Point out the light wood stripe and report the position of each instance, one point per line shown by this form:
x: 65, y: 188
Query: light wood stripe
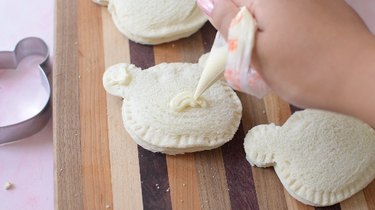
x: 213, y: 187
x: 253, y: 113
x: 294, y: 204
x: 369, y: 192
x: 93, y: 109
x: 278, y: 111
x: 357, y: 202
x: 126, y: 181
x: 270, y: 192
x: 66, y: 126
x: 183, y: 183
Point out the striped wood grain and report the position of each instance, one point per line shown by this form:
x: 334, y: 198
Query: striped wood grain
x: 153, y: 166
x: 210, y: 164
x: 126, y: 181
x: 369, y: 192
x: 183, y: 181
x: 66, y: 123
x: 213, y: 188
x: 358, y: 202
x: 239, y: 174
x: 98, y: 166
x: 269, y: 190
x: 97, y: 188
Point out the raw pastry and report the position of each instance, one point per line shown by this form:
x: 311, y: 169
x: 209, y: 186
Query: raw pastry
x: 320, y: 157
x: 159, y: 111
x: 155, y: 21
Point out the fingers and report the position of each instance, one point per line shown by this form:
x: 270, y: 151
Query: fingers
x: 220, y: 13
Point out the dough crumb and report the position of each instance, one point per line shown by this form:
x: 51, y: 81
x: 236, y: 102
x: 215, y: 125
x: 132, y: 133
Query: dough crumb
x: 184, y: 185
x: 8, y: 186
x: 107, y: 206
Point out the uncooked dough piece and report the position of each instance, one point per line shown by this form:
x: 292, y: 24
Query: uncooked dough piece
x: 157, y: 127
x: 320, y: 157
x: 155, y: 21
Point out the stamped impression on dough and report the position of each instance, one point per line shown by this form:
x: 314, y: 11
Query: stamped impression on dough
x: 160, y: 113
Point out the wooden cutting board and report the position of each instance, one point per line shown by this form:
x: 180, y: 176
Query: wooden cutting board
x: 98, y: 166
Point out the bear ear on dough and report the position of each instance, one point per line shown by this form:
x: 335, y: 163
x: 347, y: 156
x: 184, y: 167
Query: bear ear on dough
x: 152, y: 121
x: 155, y: 22
x: 259, y: 145
x: 320, y: 157
x: 117, y: 78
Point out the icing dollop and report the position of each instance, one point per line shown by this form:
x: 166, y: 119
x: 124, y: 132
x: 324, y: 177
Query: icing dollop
x: 185, y: 100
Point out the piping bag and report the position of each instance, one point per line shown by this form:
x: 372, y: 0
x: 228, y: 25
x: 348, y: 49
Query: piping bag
x: 231, y: 59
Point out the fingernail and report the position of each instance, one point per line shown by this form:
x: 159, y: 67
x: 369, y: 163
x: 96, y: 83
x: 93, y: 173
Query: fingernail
x: 206, y: 6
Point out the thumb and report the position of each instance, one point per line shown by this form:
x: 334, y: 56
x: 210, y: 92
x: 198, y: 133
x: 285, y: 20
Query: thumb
x: 220, y: 13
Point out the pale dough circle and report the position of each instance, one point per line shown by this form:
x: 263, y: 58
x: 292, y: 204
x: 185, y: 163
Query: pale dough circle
x: 320, y: 157
x: 155, y: 126
x: 155, y: 21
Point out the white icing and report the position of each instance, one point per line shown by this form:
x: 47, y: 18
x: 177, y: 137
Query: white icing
x: 184, y: 100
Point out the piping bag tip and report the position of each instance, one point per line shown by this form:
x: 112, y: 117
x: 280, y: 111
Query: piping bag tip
x: 235, y: 58
x: 214, y: 66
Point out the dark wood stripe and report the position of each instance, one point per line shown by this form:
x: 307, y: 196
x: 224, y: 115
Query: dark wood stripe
x: 154, y: 180
x: 66, y: 123
x: 333, y: 207
x: 152, y: 166
x: 239, y: 174
x: 141, y: 55
x: 208, y: 35
x: 294, y: 108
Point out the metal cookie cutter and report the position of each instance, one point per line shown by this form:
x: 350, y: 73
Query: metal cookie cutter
x: 9, y: 61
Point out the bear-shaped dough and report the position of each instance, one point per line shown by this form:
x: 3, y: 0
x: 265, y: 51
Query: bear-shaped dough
x: 320, y: 157
x: 152, y: 121
x: 154, y: 21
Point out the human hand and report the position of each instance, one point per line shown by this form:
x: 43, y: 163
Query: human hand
x: 306, y: 50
